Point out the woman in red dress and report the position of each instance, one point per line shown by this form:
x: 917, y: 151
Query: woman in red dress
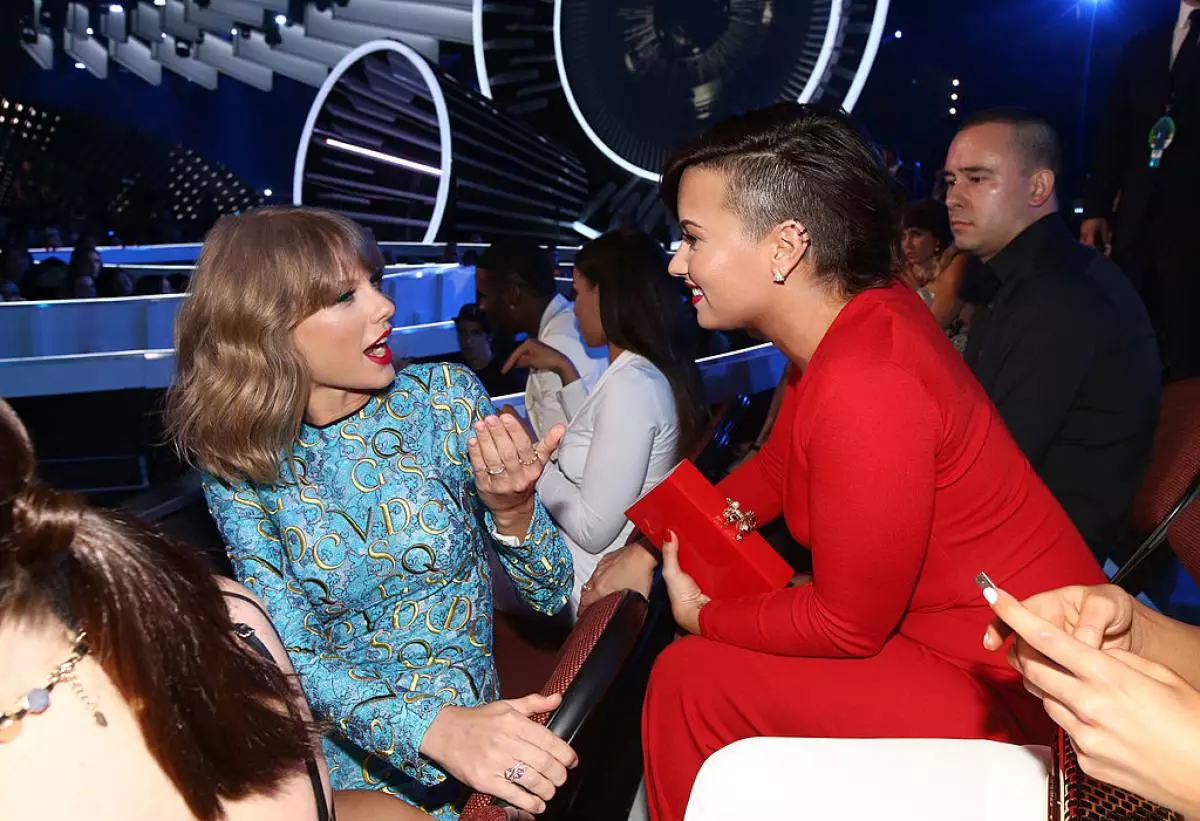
x: 887, y: 461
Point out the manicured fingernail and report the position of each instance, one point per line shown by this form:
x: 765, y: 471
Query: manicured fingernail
x: 988, y: 587
x: 988, y: 641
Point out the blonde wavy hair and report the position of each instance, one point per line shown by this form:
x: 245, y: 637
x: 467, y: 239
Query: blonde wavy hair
x: 241, y: 385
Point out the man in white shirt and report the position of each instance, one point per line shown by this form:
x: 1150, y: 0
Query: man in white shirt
x: 516, y: 290
x: 1142, y: 203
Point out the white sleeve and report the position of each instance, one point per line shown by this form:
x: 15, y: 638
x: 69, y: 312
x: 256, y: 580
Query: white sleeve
x: 592, y: 513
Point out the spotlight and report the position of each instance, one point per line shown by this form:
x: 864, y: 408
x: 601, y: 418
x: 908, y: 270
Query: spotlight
x: 953, y: 96
x: 183, y: 48
x: 233, y: 31
x: 90, y: 31
x: 281, y: 19
x: 80, y: 65
x: 954, y: 83
x: 267, y: 192
x: 899, y: 34
x: 116, y: 8
x: 953, y: 111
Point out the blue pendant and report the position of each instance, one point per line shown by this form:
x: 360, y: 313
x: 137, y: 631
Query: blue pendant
x: 37, y: 701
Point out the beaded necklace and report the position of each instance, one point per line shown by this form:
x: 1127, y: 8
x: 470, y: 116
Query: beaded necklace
x: 37, y: 700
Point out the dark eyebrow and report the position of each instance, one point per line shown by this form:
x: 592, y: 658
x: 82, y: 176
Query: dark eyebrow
x: 974, y: 169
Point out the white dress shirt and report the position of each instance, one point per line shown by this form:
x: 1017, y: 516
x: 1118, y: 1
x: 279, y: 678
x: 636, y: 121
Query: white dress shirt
x: 1181, y: 28
x: 622, y: 441
x: 560, y: 331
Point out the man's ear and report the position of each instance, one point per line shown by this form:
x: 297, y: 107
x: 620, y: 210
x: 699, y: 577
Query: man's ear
x: 1041, y: 187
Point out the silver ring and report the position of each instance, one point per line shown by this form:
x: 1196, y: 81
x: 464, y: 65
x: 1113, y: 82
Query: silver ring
x: 515, y: 773
x: 496, y: 471
x: 586, y: 586
x: 537, y: 457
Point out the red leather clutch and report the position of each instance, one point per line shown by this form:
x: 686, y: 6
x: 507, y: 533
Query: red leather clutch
x: 718, y: 544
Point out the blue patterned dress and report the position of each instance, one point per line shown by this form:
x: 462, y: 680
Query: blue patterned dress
x: 372, y: 559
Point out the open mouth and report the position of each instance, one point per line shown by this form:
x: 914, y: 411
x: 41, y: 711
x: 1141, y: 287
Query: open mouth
x: 379, y: 352
x: 697, y: 294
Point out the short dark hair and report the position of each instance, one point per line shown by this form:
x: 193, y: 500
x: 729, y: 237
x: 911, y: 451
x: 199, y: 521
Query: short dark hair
x: 931, y: 216
x: 811, y: 163
x: 470, y: 312
x: 1032, y: 134
x: 521, y: 260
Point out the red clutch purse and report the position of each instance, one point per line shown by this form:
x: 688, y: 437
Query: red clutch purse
x: 1076, y: 796
x: 718, y: 545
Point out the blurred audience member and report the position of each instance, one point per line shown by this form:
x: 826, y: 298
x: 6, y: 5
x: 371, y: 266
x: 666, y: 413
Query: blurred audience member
x: 114, y: 282
x: 907, y: 177
x: 152, y: 285
x: 85, y: 261
x: 1064, y: 348
x: 478, y: 351
x: 48, y: 280
x: 179, y: 283
x: 933, y: 265
x: 14, y: 267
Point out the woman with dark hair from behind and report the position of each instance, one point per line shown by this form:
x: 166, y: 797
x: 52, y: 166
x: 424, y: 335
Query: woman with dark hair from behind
x: 888, y: 460
x: 643, y: 415
x: 122, y: 665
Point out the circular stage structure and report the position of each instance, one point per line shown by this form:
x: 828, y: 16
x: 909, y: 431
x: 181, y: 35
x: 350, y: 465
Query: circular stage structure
x: 638, y: 77
x: 408, y: 152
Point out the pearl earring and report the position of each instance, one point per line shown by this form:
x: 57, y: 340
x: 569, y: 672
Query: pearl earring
x: 779, y: 277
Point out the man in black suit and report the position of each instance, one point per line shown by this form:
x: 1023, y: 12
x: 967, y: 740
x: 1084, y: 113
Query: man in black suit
x: 1143, y: 199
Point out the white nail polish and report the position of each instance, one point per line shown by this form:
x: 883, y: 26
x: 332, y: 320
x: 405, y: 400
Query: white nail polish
x: 988, y: 587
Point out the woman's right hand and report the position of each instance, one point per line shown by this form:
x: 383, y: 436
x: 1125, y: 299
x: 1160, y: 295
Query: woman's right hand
x: 1103, y: 617
x: 478, y: 744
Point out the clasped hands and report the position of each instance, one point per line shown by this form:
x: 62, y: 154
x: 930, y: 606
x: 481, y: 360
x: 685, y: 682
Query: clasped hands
x: 1134, y: 723
x: 507, y: 466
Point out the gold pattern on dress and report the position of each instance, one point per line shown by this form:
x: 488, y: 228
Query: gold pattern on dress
x: 416, y: 614
x: 424, y: 549
x: 360, y: 531
x: 390, y: 525
x: 381, y: 555
x: 380, y: 644
x: 292, y: 530
x: 263, y: 562
x: 337, y: 542
x: 374, y: 465
x: 421, y: 517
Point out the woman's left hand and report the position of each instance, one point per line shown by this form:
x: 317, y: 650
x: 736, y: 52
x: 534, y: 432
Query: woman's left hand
x: 1134, y: 723
x: 507, y: 466
x: 687, y: 598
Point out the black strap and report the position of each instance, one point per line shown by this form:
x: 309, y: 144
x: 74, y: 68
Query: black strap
x: 246, y: 633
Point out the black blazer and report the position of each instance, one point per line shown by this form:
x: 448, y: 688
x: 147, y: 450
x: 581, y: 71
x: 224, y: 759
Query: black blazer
x: 1137, y: 99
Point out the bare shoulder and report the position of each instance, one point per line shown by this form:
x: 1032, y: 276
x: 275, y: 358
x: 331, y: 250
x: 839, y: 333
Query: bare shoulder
x: 246, y: 608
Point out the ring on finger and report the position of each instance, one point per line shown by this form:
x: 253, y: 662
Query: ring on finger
x: 533, y: 460
x: 515, y: 773
x: 496, y: 471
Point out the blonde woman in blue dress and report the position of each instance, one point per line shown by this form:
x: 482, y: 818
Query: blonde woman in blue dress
x: 360, y: 505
